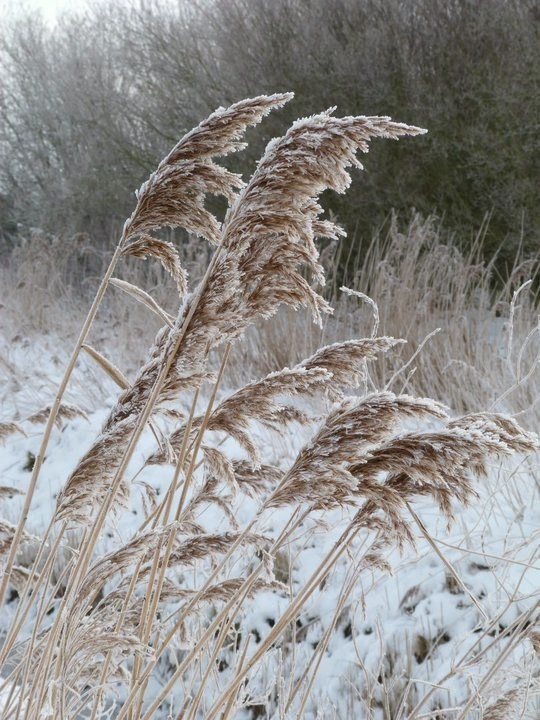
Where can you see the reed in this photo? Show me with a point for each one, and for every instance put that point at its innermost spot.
(146, 629)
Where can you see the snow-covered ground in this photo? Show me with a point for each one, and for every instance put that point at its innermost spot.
(397, 638)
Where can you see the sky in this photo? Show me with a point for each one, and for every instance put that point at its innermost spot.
(50, 8)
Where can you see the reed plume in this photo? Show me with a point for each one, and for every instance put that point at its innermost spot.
(330, 369)
(8, 428)
(173, 195)
(320, 474)
(267, 237)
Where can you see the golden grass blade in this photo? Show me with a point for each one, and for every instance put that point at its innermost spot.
(112, 371)
(143, 297)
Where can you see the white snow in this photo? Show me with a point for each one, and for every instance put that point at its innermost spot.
(405, 632)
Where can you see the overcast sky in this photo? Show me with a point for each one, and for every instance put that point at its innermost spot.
(50, 8)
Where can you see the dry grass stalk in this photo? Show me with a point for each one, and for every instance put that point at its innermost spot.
(227, 126)
(205, 546)
(109, 367)
(140, 548)
(347, 360)
(218, 135)
(202, 546)
(79, 670)
(174, 194)
(256, 480)
(386, 534)
(265, 241)
(144, 298)
(436, 464)
(383, 514)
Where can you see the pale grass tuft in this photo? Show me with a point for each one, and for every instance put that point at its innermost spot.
(347, 360)
(327, 371)
(9, 428)
(507, 706)
(147, 246)
(174, 194)
(19, 576)
(7, 533)
(139, 549)
(256, 480)
(502, 428)
(197, 548)
(319, 475)
(66, 411)
(79, 669)
(83, 494)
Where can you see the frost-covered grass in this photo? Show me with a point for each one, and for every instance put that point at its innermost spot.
(394, 635)
(316, 543)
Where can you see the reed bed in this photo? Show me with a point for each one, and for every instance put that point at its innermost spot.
(157, 623)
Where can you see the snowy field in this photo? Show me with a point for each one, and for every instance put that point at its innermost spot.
(443, 627)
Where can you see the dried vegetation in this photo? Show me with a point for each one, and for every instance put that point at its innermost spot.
(144, 630)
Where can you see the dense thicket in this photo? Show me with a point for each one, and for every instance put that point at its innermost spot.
(89, 106)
